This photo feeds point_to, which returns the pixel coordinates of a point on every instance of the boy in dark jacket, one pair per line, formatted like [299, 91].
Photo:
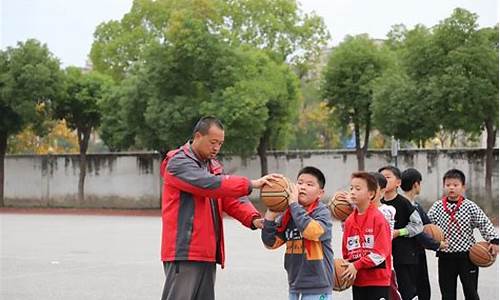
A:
[408, 225]
[411, 184]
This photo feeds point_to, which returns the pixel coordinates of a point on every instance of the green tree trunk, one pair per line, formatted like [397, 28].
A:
[83, 141]
[262, 152]
[490, 143]
[3, 149]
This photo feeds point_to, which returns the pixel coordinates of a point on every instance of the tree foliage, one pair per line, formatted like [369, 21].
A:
[203, 57]
[198, 75]
[29, 78]
[348, 83]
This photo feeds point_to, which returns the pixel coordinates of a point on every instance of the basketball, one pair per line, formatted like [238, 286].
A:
[480, 256]
[338, 283]
[434, 231]
[340, 208]
[275, 197]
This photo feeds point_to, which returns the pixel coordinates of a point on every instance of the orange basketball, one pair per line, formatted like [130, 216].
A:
[340, 208]
[338, 283]
[275, 197]
[434, 231]
[480, 256]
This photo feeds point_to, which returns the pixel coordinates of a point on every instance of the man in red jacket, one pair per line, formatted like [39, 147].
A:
[195, 194]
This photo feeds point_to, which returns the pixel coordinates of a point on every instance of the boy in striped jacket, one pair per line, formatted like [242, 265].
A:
[457, 217]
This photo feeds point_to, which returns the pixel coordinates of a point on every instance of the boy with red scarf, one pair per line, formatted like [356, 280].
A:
[366, 242]
[306, 229]
[457, 217]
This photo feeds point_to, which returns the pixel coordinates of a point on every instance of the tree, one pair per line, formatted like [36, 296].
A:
[467, 82]
[448, 82]
[80, 108]
[398, 110]
[59, 139]
[316, 128]
[348, 85]
[29, 77]
[199, 74]
[276, 27]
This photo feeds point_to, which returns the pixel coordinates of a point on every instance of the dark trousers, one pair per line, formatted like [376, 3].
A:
[189, 280]
[406, 276]
[370, 292]
[449, 269]
[423, 284]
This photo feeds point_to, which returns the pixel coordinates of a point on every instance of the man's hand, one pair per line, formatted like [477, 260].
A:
[258, 223]
[258, 183]
[293, 193]
[395, 233]
[493, 250]
[350, 272]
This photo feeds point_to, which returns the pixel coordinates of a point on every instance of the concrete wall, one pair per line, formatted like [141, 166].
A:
[113, 180]
[131, 180]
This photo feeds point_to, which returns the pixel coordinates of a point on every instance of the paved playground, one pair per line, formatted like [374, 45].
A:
[73, 257]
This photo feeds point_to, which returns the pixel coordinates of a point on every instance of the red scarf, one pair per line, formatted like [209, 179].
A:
[452, 214]
[287, 216]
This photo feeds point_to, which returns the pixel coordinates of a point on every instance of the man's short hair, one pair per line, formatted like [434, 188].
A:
[382, 182]
[370, 180]
[392, 169]
[204, 124]
[314, 172]
[409, 177]
[454, 174]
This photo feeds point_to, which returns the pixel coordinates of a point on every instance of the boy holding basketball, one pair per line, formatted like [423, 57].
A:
[306, 229]
[457, 217]
[366, 242]
[411, 184]
[389, 213]
[408, 224]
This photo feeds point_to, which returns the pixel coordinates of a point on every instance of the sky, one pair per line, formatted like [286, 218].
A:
[67, 26]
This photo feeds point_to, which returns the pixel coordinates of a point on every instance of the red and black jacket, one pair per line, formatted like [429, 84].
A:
[195, 194]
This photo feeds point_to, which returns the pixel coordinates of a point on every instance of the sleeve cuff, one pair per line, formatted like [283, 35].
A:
[250, 188]
[494, 241]
[403, 232]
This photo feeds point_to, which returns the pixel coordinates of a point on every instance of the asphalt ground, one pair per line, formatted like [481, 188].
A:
[73, 254]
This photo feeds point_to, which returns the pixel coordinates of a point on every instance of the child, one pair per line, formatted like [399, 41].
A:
[306, 228]
[389, 213]
[457, 217]
[366, 242]
[411, 185]
[408, 224]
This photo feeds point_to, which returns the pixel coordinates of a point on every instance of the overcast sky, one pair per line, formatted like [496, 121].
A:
[67, 26]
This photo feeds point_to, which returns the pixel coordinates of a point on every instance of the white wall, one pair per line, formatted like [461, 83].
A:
[131, 180]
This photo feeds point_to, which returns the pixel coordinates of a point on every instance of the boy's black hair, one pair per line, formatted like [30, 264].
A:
[382, 182]
[393, 170]
[371, 181]
[204, 124]
[408, 179]
[454, 174]
[314, 172]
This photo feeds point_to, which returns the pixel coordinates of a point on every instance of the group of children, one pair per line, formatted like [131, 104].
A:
[383, 240]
